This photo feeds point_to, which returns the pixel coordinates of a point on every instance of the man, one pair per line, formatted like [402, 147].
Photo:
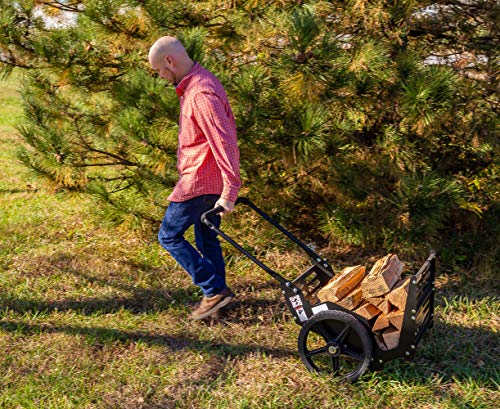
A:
[208, 165]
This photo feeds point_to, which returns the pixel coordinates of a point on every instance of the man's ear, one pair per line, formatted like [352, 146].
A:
[168, 60]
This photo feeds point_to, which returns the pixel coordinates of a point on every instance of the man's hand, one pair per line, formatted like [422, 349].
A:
[226, 204]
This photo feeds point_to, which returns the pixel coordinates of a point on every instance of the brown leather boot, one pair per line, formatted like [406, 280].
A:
[209, 305]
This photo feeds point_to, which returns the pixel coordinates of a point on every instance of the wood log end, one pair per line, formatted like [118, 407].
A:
[382, 322]
[367, 310]
[391, 337]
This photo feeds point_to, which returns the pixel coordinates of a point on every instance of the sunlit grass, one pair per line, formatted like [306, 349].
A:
[93, 316]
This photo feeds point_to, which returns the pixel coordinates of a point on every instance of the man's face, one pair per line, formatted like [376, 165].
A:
[162, 66]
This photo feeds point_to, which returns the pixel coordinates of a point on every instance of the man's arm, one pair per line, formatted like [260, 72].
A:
[217, 124]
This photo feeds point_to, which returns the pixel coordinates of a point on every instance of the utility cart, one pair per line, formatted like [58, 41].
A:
[332, 339]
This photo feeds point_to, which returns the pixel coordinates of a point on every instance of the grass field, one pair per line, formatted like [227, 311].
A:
[93, 316]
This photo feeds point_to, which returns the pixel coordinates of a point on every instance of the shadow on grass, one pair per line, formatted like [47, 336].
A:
[246, 310]
[450, 352]
[139, 299]
[110, 335]
[13, 191]
[142, 301]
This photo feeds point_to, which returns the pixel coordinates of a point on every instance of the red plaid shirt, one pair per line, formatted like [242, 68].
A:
[208, 154]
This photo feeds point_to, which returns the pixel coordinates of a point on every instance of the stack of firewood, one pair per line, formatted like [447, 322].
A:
[379, 296]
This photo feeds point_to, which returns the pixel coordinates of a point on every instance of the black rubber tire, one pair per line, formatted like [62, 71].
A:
[337, 343]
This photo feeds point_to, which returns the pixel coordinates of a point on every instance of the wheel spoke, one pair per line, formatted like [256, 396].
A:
[340, 338]
[335, 363]
[352, 354]
[323, 332]
[317, 351]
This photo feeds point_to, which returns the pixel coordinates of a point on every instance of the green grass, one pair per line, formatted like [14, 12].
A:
[93, 316]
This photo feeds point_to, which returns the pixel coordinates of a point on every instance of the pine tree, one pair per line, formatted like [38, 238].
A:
[374, 120]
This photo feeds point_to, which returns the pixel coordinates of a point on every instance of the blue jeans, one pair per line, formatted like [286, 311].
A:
[205, 266]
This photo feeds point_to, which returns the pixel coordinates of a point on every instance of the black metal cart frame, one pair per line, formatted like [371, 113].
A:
[333, 339]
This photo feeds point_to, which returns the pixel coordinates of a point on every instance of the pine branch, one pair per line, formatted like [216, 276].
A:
[103, 164]
[121, 160]
[71, 6]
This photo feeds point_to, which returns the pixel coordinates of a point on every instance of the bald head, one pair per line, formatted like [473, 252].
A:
[167, 46]
[169, 59]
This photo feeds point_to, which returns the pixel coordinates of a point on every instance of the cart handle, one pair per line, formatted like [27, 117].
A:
[219, 209]
[212, 212]
[317, 260]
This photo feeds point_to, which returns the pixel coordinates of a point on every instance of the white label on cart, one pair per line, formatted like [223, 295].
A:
[318, 308]
[297, 304]
[301, 313]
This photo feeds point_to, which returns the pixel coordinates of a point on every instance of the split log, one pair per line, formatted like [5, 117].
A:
[399, 293]
[391, 337]
[367, 311]
[379, 296]
[381, 303]
[385, 306]
[380, 341]
[375, 300]
[396, 318]
[382, 322]
[342, 284]
[382, 277]
[352, 300]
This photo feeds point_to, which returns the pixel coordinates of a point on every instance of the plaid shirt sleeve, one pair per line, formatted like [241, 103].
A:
[216, 121]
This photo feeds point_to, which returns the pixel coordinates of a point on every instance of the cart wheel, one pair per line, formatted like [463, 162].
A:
[337, 343]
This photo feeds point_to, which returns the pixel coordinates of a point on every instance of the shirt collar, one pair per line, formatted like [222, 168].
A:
[181, 86]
